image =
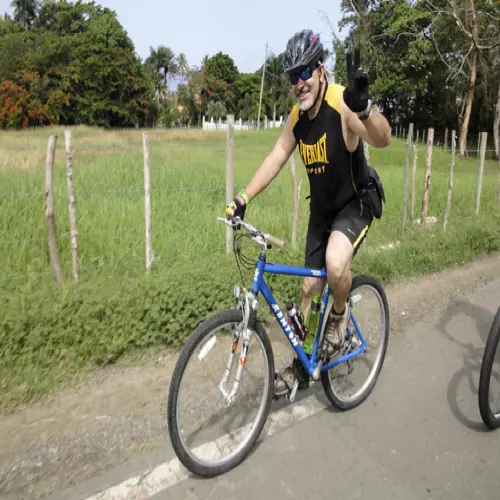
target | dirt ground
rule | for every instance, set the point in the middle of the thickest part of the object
(119, 411)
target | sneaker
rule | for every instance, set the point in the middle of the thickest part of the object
(336, 327)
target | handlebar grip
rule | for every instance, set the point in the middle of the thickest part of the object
(275, 241)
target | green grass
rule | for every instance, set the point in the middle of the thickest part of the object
(50, 334)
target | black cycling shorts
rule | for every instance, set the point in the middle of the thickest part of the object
(353, 220)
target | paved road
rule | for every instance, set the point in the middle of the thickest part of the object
(418, 436)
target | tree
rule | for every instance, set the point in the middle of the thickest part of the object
(216, 109)
(25, 11)
(246, 89)
(419, 60)
(479, 32)
(182, 65)
(21, 105)
(221, 67)
(162, 63)
(358, 14)
(248, 107)
(277, 82)
(82, 67)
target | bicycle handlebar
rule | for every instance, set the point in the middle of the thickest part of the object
(254, 233)
(275, 241)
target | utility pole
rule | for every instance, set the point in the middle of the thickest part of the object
(262, 88)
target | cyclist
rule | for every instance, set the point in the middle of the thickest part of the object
(328, 124)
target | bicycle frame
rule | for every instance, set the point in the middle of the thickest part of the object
(259, 285)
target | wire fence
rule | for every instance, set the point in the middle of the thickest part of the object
(40, 238)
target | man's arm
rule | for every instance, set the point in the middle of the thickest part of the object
(273, 163)
(374, 130)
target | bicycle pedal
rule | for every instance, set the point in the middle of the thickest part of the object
(294, 391)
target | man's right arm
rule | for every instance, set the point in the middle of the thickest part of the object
(274, 162)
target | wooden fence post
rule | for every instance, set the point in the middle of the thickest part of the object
(427, 178)
(479, 184)
(407, 166)
(413, 183)
(450, 185)
(498, 190)
(229, 176)
(416, 140)
(71, 204)
(147, 201)
(49, 210)
(445, 145)
(295, 202)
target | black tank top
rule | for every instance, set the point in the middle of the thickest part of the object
(335, 174)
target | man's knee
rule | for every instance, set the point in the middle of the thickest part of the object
(336, 271)
(338, 258)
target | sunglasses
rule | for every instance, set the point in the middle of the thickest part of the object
(303, 74)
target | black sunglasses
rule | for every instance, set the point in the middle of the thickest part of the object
(304, 74)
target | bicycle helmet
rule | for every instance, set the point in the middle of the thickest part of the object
(303, 49)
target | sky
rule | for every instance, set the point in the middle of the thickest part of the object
(204, 27)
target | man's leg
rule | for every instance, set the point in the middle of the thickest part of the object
(315, 253)
(349, 230)
(339, 255)
(310, 288)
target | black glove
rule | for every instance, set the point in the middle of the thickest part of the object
(236, 208)
(356, 94)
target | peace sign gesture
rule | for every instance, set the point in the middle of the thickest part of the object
(356, 94)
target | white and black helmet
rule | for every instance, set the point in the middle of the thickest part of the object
(303, 49)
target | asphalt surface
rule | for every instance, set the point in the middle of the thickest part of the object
(418, 436)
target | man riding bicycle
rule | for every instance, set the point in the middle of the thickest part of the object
(328, 123)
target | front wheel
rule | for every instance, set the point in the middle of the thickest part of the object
(214, 421)
(489, 406)
(348, 384)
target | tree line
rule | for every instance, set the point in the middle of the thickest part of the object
(73, 63)
(435, 63)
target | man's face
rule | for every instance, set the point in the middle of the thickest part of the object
(306, 87)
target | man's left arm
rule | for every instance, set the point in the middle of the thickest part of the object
(359, 119)
(374, 129)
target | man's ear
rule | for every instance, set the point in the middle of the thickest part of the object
(322, 73)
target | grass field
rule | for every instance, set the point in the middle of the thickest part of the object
(188, 194)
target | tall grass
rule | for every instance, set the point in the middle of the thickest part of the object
(188, 194)
(49, 333)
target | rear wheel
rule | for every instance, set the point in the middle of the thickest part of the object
(489, 398)
(210, 432)
(348, 384)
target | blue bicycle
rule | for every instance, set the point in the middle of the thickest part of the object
(213, 423)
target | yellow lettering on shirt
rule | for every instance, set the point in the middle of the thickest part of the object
(314, 153)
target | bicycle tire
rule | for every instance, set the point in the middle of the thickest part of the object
(491, 421)
(197, 467)
(335, 400)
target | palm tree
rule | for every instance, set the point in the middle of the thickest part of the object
(182, 65)
(163, 64)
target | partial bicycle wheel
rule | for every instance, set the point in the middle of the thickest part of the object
(489, 400)
(348, 384)
(211, 433)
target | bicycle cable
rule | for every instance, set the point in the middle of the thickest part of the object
(246, 262)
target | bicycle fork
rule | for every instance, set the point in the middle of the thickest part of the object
(244, 304)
